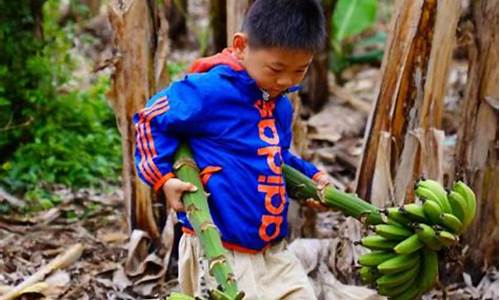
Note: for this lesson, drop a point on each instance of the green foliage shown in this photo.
(51, 130)
(176, 70)
(351, 18)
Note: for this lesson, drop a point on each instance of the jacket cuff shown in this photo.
(158, 185)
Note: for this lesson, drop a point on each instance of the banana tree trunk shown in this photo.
(403, 137)
(235, 12)
(218, 24)
(140, 46)
(132, 84)
(316, 81)
(477, 147)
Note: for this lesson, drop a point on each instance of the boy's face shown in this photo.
(274, 69)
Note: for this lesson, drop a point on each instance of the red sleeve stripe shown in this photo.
(150, 149)
(147, 139)
(146, 165)
(146, 172)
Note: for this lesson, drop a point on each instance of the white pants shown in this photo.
(272, 274)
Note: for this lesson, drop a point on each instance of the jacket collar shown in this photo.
(227, 58)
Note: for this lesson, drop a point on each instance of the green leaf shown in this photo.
(338, 62)
(352, 17)
(5, 208)
(46, 203)
(70, 215)
(374, 56)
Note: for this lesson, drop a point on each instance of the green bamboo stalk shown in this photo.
(199, 216)
(300, 187)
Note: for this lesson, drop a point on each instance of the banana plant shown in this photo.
(351, 18)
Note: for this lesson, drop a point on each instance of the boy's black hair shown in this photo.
(292, 24)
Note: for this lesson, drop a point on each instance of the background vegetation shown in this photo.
(52, 131)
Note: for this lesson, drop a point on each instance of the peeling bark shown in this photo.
(218, 24)
(477, 147)
(235, 12)
(409, 102)
(316, 82)
(140, 48)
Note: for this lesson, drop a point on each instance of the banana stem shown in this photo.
(199, 216)
(300, 187)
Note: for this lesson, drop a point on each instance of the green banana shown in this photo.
(429, 271)
(452, 223)
(433, 211)
(396, 217)
(394, 291)
(466, 192)
(438, 190)
(447, 238)
(377, 242)
(368, 274)
(411, 293)
(392, 280)
(374, 258)
(392, 232)
(458, 205)
(426, 194)
(414, 212)
(428, 236)
(399, 263)
(409, 245)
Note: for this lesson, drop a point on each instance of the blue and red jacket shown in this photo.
(239, 141)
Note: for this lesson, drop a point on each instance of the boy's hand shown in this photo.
(322, 182)
(173, 189)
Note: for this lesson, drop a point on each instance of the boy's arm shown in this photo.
(170, 115)
(303, 166)
(291, 159)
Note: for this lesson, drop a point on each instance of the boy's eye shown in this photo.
(274, 70)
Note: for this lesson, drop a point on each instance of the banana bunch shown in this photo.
(403, 263)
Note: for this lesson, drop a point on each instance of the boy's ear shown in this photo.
(240, 43)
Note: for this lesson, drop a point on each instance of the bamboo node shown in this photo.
(191, 209)
(214, 261)
(185, 162)
(321, 195)
(206, 225)
(231, 278)
(363, 217)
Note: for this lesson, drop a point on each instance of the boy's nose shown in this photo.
(284, 82)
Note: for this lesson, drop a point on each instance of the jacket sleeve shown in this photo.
(289, 158)
(171, 114)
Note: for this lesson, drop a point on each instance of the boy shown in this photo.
(236, 117)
